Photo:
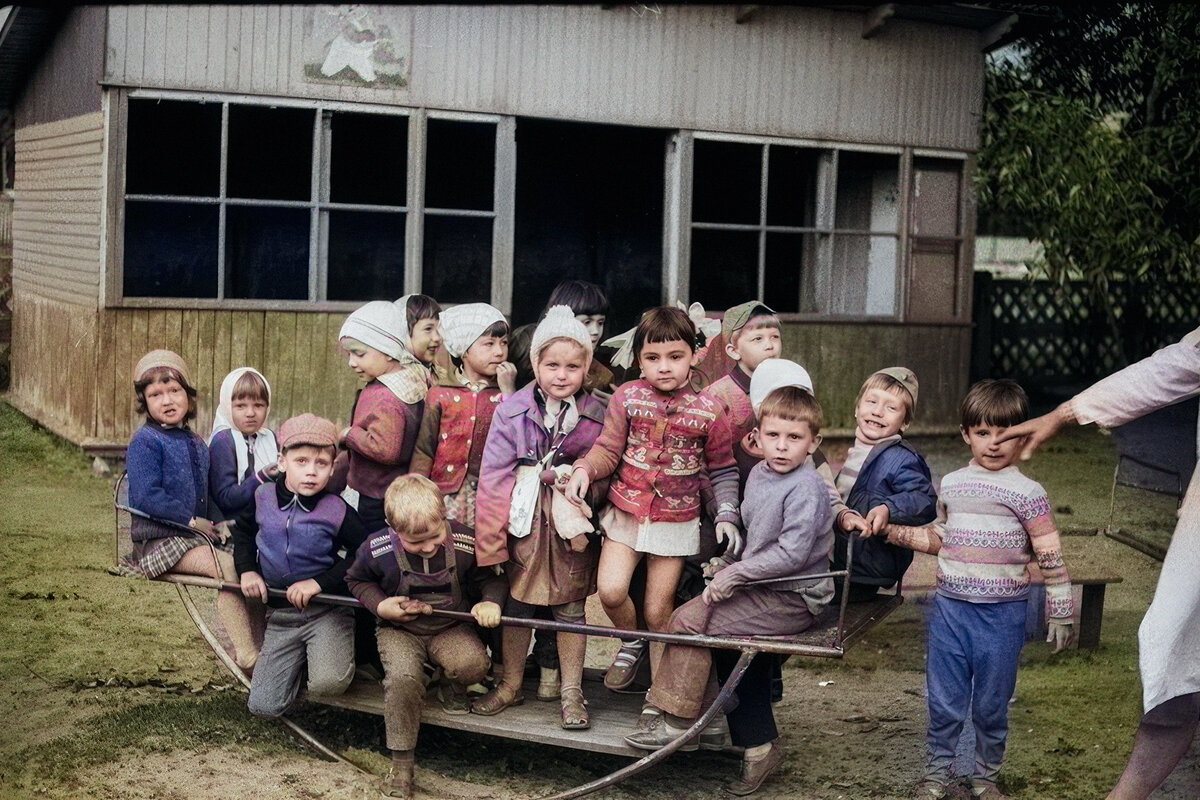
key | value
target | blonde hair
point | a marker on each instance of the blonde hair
(793, 404)
(888, 384)
(755, 323)
(413, 504)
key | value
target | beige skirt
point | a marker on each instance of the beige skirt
(675, 539)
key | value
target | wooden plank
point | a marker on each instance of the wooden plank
(66, 139)
(222, 344)
(87, 152)
(196, 35)
(104, 368)
(214, 63)
(205, 331)
(50, 130)
(135, 45)
(80, 380)
(173, 70)
(163, 329)
(269, 69)
(255, 338)
(279, 358)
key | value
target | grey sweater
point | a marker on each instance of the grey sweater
(789, 532)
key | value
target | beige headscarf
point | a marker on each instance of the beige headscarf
(161, 358)
(383, 326)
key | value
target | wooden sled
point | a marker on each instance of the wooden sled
(613, 715)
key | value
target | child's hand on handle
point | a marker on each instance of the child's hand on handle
(877, 519)
(487, 614)
(577, 486)
(728, 532)
(1038, 430)
(721, 588)
(713, 566)
(506, 378)
(1061, 634)
(300, 592)
(253, 585)
(401, 609)
(851, 521)
(203, 526)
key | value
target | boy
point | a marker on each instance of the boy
(788, 537)
(458, 411)
(290, 539)
(751, 335)
(420, 563)
(993, 519)
(884, 479)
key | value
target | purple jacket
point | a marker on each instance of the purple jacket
(518, 437)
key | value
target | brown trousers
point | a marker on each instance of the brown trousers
(457, 650)
(682, 679)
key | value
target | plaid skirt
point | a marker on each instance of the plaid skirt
(153, 557)
(460, 506)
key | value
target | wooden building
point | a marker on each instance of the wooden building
(230, 181)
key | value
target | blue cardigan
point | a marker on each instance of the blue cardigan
(168, 473)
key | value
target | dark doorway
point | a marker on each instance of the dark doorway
(589, 207)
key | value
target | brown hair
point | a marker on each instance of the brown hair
(994, 402)
(419, 307)
(163, 375)
(794, 404)
(664, 324)
(413, 504)
(754, 323)
(498, 329)
(887, 383)
(250, 386)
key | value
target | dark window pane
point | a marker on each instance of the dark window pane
(380, 178)
(270, 153)
(724, 268)
(457, 259)
(366, 256)
(868, 192)
(726, 181)
(460, 165)
(266, 253)
(786, 257)
(174, 147)
(170, 250)
(792, 186)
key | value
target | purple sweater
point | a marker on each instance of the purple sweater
(230, 493)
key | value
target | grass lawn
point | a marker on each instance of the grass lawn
(95, 670)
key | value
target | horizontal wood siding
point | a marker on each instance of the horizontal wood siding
(57, 210)
(841, 356)
(296, 351)
(802, 72)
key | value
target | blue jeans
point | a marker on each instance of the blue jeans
(972, 653)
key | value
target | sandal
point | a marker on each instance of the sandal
(574, 710)
(494, 702)
(624, 668)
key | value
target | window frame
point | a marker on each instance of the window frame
(318, 204)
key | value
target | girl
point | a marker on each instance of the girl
(659, 436)
(167, 466)
(458, 411)
(387, 411)
(589, 304)
(242, 450)
(421, 316)
(546, 425)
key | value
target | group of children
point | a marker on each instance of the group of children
(485, 485)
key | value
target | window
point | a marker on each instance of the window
(302, 203)
(815, 230)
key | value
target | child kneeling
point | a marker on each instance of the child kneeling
(762, 592)
(290, 539)
(401, 575)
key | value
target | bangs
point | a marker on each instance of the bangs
(249, 386)
(664, 324)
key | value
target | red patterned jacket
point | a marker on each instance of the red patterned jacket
(453, 432)
(658, 445)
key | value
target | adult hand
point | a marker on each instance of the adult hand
(300, 592)
(486, 613)
(1061, 634)
(1037, 431)
(577, 486)
(253, 585)
(506, 378)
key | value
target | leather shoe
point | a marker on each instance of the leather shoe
(755, 772)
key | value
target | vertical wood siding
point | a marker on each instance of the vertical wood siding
(66, 80)
(803, 72)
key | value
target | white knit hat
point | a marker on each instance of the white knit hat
(462, 325)
(378, 324)
(559, 323)
(775, 373)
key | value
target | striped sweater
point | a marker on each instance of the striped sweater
(995, 522)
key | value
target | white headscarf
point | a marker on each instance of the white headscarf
(265, 450)
(384, 327)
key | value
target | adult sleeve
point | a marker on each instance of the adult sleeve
(1169, 376)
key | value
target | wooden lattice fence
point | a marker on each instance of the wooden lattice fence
(1056, 340)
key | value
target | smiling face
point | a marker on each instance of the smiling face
(786, 443)
(166, 402)
(989, 455)
(561, 367)
(666, 365)
(367, 362)
(424, 339)
(880, 413)
(306, 468)
(484, 355)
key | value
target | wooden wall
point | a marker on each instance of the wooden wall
(66, 80)
(840, 356)
(803, 72)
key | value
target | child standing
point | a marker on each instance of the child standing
(788, 537)
(290, 539)
(401, 575)
(658, 437)
(458, 411)
(994, 520)
(242, 450)
(167, 465)
(545, 426)
(421, 316)
(884, 479)
(387, 411)
(751, 335)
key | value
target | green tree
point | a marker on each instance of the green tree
(1091, 142)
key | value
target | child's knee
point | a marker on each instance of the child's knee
(658, 616)
(262, 704)
(332, 682)
(467, 670)
(613, 595)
